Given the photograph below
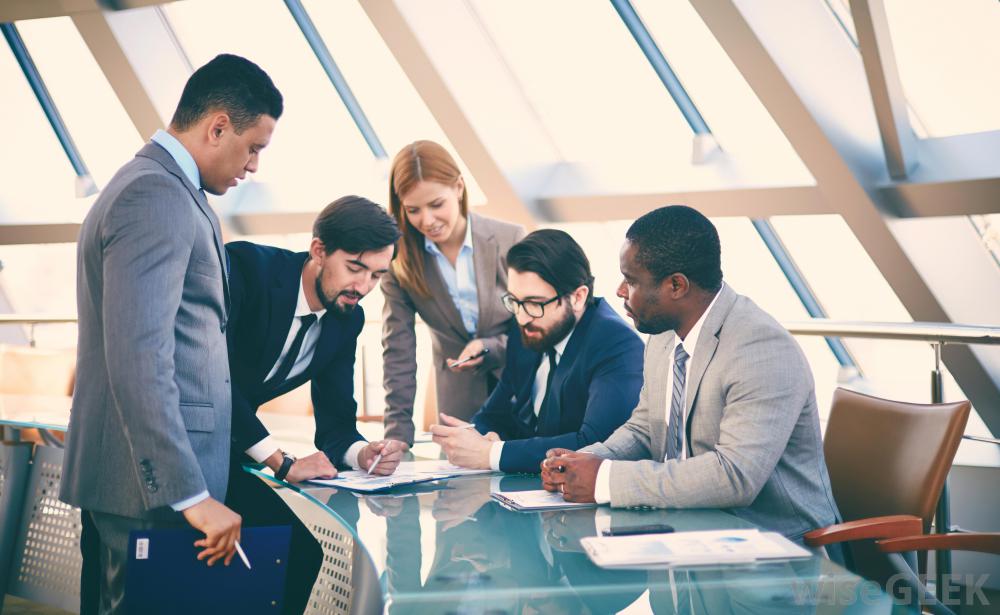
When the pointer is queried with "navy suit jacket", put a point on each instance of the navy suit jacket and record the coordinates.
(264, 285)
(594, 389)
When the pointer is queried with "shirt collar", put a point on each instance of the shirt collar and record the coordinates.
(302, 305)
(181, 156)
(690, 343)
(431, 247)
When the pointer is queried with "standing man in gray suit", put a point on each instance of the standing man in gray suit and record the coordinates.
(727, 414)
(149, 435)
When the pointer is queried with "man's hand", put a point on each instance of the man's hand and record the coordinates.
(474, 348)
(221, 527)
(384, 505)
(312, 466)
(391, 451)
(463, 445)
(572, 474)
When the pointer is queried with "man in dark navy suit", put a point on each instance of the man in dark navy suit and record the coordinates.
(295, 318)
(573, 369)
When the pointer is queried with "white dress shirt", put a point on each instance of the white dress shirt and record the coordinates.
(267, 447)
(602, 485)
(537, 393)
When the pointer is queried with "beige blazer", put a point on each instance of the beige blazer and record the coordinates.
(458, 394)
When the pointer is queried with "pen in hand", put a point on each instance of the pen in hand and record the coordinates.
(375, 461)
(243, 556)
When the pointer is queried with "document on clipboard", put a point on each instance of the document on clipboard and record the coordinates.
(689, 548)
(536, 500)
(407, 473)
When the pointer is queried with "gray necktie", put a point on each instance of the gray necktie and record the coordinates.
(675, 433)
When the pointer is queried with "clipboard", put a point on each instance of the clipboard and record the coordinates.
(164, 577)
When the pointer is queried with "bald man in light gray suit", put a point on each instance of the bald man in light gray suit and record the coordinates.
(149, 434)
(727, 415)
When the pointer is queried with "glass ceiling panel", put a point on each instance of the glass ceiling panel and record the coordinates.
(390, 101)
(737, 118)
(850, 287)
(317, 153)
(948, 54)
(589, 83)
(102, 130)
(36, 177)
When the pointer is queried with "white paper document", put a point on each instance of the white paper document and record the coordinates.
(689, 548)
(535, 500)
(408, 473)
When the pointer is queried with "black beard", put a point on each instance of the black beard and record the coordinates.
(341, 311)
(555, 335)
(657, 325)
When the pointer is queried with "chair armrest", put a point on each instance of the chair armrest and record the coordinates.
(971, 541)
(889, 526)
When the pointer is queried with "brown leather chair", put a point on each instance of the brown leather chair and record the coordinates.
(888, 461)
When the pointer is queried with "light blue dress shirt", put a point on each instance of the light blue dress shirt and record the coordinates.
(187, 164)
(460, 279)
(181, 156)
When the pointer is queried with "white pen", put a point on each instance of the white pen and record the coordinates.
(243, 556)
(377, 459)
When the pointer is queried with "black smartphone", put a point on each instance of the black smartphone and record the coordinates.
(632, 530)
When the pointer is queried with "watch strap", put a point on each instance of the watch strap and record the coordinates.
(286, 465)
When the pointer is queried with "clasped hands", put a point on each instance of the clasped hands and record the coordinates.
(570, 473)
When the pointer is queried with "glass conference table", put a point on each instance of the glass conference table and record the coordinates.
(447, 547)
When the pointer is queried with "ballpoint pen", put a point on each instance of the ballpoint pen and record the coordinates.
(243, 556)
(377, 459)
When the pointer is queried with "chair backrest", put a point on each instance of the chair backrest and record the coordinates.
(889, 457)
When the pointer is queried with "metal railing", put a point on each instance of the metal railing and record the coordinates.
(937, 335)
(35, 319)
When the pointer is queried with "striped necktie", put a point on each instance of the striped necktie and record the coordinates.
(675, 431)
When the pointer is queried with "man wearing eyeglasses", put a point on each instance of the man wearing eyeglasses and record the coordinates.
(573, 369)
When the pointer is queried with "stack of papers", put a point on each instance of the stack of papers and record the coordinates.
(408, 473)
(535, 500)
(689, 548)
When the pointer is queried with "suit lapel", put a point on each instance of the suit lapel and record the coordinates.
(327, 342)
(484, 259)
(157, 153)
(708, 341)
(284, 294)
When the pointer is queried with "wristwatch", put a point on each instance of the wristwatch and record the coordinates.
(286, 465)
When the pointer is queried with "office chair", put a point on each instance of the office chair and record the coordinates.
(888, 461)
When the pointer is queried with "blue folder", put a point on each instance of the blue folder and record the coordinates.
(164, 576)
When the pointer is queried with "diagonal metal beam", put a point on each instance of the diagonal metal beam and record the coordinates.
(827, 119)
(503, 198)
(875, 44)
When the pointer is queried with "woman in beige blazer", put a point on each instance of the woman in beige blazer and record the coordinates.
(451, 269)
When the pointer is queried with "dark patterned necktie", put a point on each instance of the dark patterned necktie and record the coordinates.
(293, 353)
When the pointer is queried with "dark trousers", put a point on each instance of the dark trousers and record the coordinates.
(259, 505)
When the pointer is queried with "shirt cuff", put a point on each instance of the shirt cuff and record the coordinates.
(262, 450)
(602, 486)
(351, 456)
(191, 501)
(495, 451)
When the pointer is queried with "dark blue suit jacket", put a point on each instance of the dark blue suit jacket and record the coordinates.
(264, 284)
(594, 390)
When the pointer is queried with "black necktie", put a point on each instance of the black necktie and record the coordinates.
(551, 353)
(293, 353)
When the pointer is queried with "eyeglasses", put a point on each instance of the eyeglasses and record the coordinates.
(533, 309)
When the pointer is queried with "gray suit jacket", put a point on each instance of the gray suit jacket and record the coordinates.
(753, 435)
(152, 406)
(459, 394)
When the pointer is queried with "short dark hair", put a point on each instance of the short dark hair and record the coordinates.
(678, 239)
(354, 224)
(232, 84)
(556, 258)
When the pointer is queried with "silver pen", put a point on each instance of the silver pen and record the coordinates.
(243, 556)
(377, 459)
